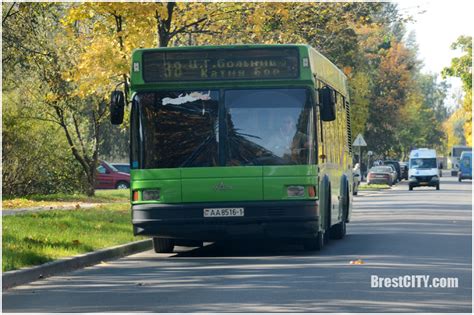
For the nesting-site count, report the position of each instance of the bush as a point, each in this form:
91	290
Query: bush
36	158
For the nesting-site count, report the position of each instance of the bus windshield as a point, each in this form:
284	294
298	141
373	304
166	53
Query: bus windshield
269	127
258	127
423	163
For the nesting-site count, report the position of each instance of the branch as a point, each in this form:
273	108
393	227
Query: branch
78	133
75	152
187	26
8	13
20	47
40	119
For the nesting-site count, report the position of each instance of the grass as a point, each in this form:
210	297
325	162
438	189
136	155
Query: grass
365	187
101	196
35	238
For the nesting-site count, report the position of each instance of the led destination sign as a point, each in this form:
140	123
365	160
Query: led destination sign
223	64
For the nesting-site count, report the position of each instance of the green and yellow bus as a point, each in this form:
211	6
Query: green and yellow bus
238	142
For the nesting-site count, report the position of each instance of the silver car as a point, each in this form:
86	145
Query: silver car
380	175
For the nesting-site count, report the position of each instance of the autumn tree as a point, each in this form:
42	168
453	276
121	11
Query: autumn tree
35	42
461	67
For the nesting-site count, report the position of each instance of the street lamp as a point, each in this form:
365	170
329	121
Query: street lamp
369	154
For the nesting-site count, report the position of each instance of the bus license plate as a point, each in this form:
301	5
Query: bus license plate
223	212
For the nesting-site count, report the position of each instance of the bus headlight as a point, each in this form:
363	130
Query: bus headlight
152	194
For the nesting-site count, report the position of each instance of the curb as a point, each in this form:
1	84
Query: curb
17	277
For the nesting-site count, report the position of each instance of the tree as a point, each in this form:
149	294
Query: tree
462	67
393	82
35	42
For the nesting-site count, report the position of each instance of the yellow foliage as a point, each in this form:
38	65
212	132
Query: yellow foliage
452	138
467	107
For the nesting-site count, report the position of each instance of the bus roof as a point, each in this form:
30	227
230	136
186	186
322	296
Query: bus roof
327	72
315	66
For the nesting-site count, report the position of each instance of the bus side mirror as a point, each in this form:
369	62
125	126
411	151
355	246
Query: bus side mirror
117	104
327	104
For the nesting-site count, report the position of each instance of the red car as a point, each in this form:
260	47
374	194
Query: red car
108	177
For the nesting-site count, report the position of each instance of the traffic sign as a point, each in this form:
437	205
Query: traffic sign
359	141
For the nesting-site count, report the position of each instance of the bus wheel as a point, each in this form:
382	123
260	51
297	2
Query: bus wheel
163	245
314	243
339	230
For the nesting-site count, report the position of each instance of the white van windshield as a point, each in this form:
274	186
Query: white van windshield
423	163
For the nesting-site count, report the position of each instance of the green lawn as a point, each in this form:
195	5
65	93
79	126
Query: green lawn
36	238
365	187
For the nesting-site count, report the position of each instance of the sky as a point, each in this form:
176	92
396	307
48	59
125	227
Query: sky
437	25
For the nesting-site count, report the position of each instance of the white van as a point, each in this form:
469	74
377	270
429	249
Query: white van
423	169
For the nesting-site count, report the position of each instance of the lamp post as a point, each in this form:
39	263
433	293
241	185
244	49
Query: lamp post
369	154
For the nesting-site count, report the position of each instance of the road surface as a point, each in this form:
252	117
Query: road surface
394	233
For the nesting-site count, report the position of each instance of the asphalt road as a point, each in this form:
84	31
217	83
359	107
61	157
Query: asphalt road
394	233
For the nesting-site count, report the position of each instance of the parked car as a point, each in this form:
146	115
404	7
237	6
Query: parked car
394	173
397	168
380	175
122	167
404	170
356	179
108	177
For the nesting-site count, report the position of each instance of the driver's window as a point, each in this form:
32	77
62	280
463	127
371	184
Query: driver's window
101	169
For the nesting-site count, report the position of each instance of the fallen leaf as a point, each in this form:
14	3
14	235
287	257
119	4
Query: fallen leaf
357	262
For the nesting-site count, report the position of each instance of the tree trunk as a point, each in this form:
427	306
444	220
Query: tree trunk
164	26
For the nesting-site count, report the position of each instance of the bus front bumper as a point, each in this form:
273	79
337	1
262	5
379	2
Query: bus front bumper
266	219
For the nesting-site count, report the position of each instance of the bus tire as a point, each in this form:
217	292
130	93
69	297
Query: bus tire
314	243
163	245
339	230
325	208
327	229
